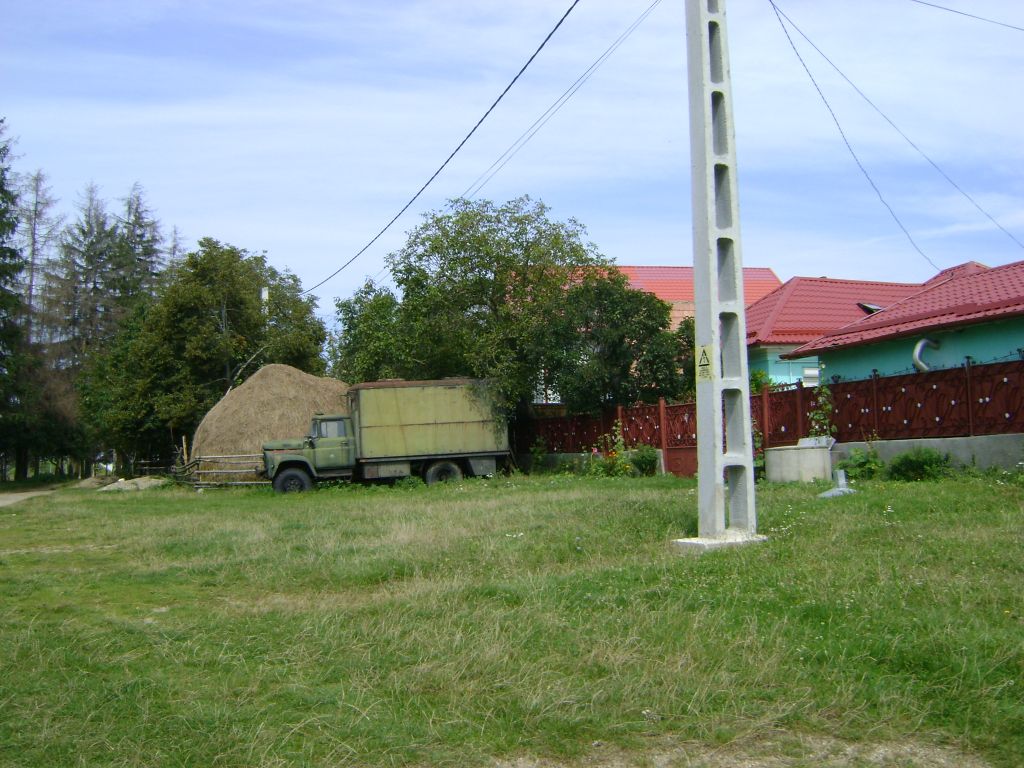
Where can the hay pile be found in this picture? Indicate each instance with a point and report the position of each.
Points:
(276, 402)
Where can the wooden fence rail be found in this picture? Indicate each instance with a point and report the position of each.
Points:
(216, 471)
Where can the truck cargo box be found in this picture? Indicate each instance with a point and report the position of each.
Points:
(425, 418)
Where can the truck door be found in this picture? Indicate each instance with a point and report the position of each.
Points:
(332, 445)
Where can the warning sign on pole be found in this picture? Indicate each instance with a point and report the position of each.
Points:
(704, 372)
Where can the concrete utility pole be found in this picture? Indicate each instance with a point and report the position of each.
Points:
(725, 463)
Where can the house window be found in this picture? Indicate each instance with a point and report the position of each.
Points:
(810, 376)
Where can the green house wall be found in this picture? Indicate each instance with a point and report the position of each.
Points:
(983, 342)
(779, 371)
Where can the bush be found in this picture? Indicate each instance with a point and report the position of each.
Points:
(644, 459)
(918, 464)
(608, 457)
(862, 464)
(538, 455)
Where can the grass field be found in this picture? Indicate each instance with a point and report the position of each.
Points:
(510, 621)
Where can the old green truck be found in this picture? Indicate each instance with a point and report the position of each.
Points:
(437, 430)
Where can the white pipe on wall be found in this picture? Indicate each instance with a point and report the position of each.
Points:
(920, 364)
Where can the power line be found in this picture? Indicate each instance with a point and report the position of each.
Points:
(846, 141)
(443, 165)
(484, 178)
(969, 15)
(896, 128)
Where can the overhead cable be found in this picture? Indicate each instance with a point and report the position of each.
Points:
(969, 15)
(443, 165)
(846, 141)
(896, 128)
(485, 177)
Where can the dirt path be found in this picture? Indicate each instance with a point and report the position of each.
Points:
(784, 750)
(6, 499)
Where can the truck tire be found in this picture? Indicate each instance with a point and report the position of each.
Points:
(442, 472)
(292, 481)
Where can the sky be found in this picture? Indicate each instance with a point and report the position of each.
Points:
(300, 128)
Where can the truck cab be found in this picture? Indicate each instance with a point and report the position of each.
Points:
(327, 452)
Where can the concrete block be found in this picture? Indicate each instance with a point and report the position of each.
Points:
(797, 464)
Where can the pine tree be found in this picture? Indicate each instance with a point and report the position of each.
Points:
(80, 311)
(11, 262)
(39, 233)
(137, 259)
(11, 266)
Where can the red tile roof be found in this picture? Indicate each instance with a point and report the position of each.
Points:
(960, 270)
(676, 283)
(804, 308)
(962, 296)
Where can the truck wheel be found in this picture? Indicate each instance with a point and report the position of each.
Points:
(442, 472)
(292, 481)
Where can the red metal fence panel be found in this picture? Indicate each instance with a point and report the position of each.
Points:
(997, 399)
(641, 425)
(780, 412)
(970, 400)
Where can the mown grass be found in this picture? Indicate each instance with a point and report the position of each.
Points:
(455, 625)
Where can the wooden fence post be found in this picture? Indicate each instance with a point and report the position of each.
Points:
(874, 402)
(663, 430)
(800, 430)
(765, 426)
(970, 397)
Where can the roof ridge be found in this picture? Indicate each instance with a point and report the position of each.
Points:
(936, 305)
(880, 318)
(785, 291)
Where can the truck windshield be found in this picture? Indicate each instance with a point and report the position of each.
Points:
(331, 429)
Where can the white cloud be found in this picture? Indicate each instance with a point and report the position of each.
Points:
(300, 129)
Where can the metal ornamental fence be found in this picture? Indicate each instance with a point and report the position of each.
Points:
(955, 402)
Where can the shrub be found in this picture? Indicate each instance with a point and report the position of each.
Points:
(862, 464)
(820, 415)
(608, 457)
(644, 459)
(759, 380)
(918, 464)
(538, 455)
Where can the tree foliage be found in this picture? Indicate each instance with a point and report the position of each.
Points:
(505, 293)
(80, 310)
(12, 357)
(11, 262)
(206, 330)
(39, 233)
(371, 346)
(613, 346)
(110, 337)
(137, 256)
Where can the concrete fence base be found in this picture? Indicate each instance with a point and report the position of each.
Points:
(985, 452)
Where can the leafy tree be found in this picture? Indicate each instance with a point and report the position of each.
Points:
(205, 331)
(686, 359)
(482, 288)
(369, 346)
(504, 293)
(613, 346)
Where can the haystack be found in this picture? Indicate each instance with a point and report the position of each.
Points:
(276, 402)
